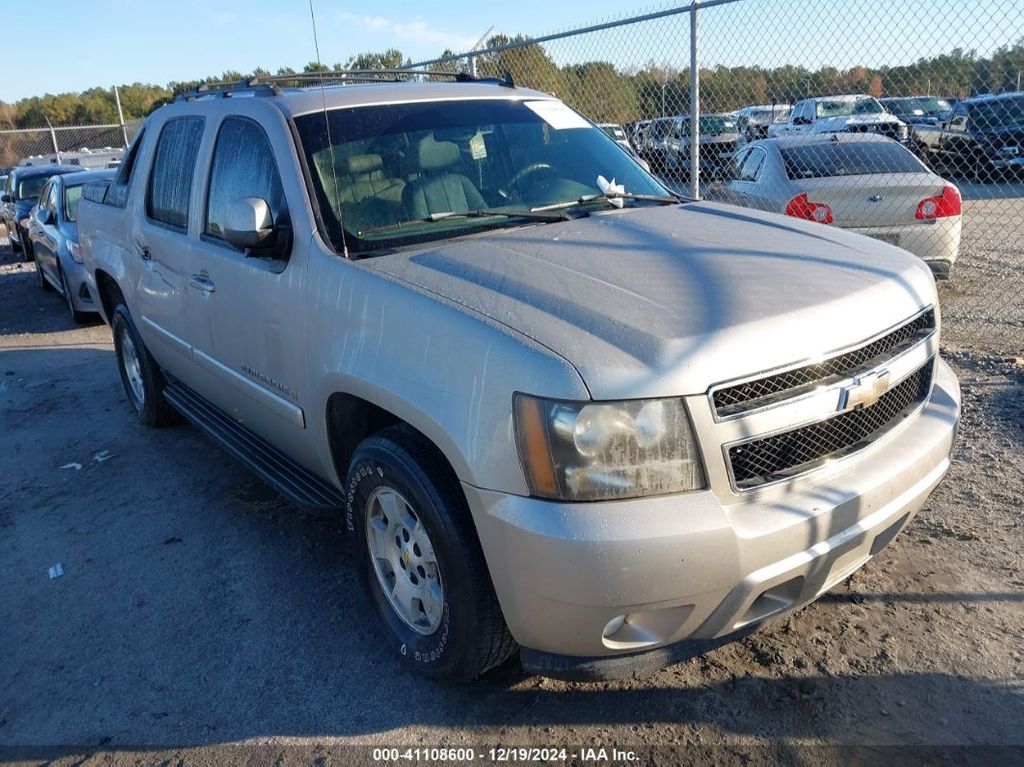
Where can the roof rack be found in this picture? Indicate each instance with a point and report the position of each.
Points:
(271, 85)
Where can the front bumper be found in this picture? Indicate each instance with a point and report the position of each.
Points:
(582, 584)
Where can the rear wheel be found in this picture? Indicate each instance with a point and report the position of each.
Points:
(411, 531)
(143, 382)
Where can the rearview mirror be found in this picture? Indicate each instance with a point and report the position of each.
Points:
(249, 224)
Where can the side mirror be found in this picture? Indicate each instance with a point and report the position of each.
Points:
(801, 120)
(249, 224)
(6, 198)
(45, 216)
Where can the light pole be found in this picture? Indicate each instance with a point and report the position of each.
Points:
(663, 98)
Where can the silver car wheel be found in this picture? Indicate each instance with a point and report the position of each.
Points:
(404, 560)
(132, 369)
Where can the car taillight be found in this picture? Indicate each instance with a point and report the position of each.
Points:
(801, 207)
(948, 204)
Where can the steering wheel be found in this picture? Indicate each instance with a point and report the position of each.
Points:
(518, 176)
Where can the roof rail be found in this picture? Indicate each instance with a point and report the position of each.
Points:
(270, 85)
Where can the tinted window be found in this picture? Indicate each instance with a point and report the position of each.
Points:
(72, 194)
(170, 182)
(30, 188)
(752, 165)
(848, 159)
(243, 166)
(117, 193)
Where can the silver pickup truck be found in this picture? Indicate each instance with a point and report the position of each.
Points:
(557, 410)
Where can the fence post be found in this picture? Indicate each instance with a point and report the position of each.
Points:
(120, 117)
(53, 138)
(694, 102)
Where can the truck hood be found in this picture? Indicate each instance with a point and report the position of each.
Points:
(663, 301)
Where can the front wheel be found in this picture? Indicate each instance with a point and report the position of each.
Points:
(26, 246)
(411, 531)
(143, 382)
(77, 317)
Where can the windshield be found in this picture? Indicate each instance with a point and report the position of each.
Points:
(847, 107)
(72, 194)
(387, 169)
(766, 116)
(848, 159)
(918, 106)
(999, 113)
(30, 188)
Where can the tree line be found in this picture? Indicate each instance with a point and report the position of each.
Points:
(599, 89)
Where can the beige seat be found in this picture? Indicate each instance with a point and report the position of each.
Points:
(438, 189)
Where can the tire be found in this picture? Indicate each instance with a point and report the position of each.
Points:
(77, 317)
(27, 253)
(145, 383)
(44, 284)
(16, 247)
(465, 635)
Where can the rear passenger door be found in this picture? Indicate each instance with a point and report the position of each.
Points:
(253, 303)
(166, 310)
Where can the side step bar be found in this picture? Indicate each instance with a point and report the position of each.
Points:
(294, 482)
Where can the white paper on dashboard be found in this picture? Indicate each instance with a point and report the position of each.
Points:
(557, 115)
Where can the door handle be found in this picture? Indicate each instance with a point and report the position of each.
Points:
(202, 282)
(145, 253)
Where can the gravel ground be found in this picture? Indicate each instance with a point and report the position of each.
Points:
(197, 608)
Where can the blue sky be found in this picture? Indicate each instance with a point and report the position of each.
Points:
(117, 41)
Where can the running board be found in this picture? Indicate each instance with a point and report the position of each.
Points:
(294, 482)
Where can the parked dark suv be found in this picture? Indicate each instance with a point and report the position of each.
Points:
(24, 184)
(983, 137)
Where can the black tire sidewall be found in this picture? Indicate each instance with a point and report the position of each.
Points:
(380, 462)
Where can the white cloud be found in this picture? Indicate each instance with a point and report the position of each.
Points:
(417, 30)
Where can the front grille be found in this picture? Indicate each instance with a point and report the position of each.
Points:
(779, 456)
(762, 391)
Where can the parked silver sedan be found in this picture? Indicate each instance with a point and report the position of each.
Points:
(864, 182)
(53, 234)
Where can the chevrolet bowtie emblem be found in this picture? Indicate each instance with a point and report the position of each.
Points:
(865, 391)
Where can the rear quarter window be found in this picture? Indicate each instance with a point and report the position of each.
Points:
(170, 181)
(848, 159)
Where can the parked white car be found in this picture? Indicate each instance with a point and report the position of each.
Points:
(840, 114)
(865, 183)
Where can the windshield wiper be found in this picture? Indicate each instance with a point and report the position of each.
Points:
(531, 214)
(662, 199)
(444, 215)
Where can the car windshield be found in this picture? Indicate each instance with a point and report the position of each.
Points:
(848, 159)
(931, 105)
(392, 175)
(30, 187)
(72, 194)
(767, 116)
(999, 113)
(847, 107)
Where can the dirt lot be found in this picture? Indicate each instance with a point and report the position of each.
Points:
(197, 608)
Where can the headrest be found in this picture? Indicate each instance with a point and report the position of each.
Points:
(434, 155)
(364, 163)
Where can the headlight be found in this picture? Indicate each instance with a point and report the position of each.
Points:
(595, 451)
(75, 251)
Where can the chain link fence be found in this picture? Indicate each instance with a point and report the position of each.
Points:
(91, 146)
(902, 121)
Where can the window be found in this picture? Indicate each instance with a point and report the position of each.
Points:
(72, 196)
(243, 166)
(117, 192)
(170, 181)
(848, 158)
(752, 165)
